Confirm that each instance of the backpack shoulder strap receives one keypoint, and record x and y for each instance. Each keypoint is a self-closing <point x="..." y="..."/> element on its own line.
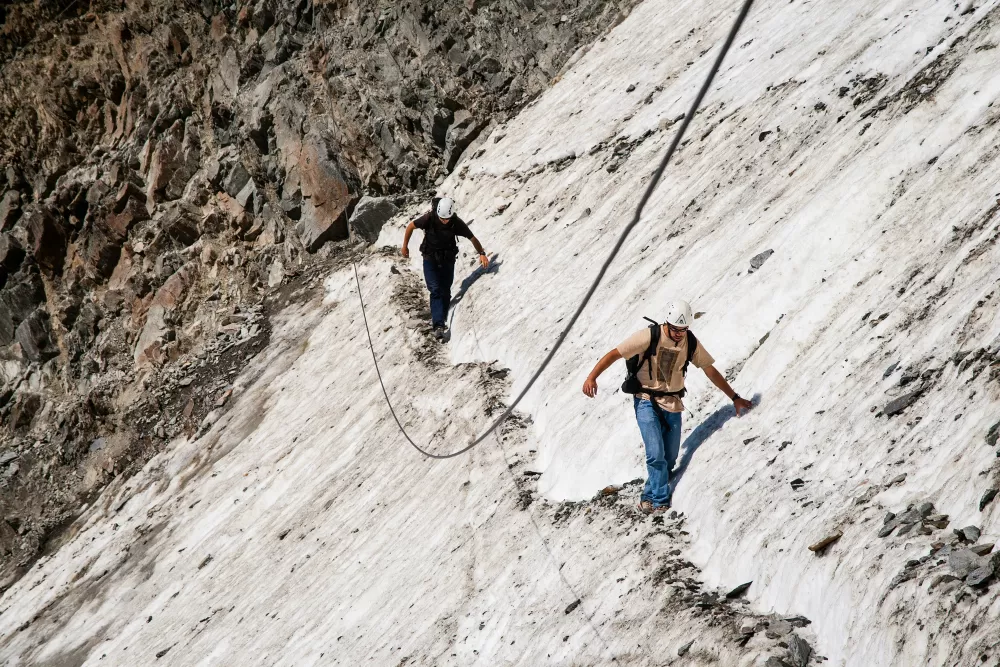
<point x="692" y="347"/>
<point x="654" y="342"/>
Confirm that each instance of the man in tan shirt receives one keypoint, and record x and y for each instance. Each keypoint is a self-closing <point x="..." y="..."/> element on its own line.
<point x="658" y="405"/>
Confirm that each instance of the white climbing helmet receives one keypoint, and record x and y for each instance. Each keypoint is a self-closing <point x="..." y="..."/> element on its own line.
<point x="679" y="313"/>
<point x="446" y="208"/>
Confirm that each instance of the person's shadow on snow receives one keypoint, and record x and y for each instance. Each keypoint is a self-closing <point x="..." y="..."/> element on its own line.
<point x="469" y="281"/>
<point x="701" y="434"/>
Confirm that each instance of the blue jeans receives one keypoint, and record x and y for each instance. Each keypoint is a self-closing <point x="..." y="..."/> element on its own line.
<point x="439" y="278"/>
<point x="661" y="432"/>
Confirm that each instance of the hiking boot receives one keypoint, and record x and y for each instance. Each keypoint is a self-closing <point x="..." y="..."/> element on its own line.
<point x="646" y="506"/>
<point x="660" y="510"/>
<point x="439" y="331"/>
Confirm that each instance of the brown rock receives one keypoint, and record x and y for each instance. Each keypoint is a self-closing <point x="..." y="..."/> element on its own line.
<point x="825" y="542"/>
<point x="165" y="160"/>
<point x="326" y="196"/>
<point x="132" y="212"/>
<point x="223" y="398"/>
<point x="982" y="549"/>
<point x="312" y="175"/>
<point x="150" y="347"/>
<point x="126" y="276"/>
<point x="219" y="28"/>
<point x="102" y="248"/>
<point x="232" y="210"/>
<point x="127" y="193"/>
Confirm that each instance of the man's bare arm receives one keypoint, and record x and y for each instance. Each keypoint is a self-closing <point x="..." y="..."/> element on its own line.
<point x="483" y="259"/>
<point x="406" y="239"/>
<point x="719" y="381"/>
<point x="590" y="386"/>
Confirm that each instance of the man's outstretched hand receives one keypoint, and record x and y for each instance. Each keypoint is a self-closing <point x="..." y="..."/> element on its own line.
<point x="484" y="261"/>
<point x="742" y="405"/>
<point x="590" y="387"/>
<point x="405" y="252"/>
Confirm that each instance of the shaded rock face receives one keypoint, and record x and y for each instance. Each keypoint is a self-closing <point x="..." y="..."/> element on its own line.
<point x="10" y="209"/>
<point x="370" y="215"/>
<point x="18" y="299"/>
<point x="47" y="240"/>
<point x="35" y="337"/>
<point x="171" y="163"/>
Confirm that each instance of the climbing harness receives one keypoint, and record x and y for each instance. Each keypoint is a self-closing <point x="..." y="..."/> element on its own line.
<point x="657" y="175"/>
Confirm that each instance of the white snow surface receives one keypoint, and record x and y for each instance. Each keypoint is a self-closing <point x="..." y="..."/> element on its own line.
<point x="881" y="206"/>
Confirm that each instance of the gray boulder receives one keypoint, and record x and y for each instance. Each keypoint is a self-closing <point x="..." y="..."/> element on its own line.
<point x="17" y="300"/>
<point x="757" y="261"/>
<point x="249" y="198"/>
<point x="895" y="406"/>
<point x="237" y="180"/>
<point x="964" y="561"/>
<point x="35" y="337"/>
<point x="799" y="650"/>
<point x="370" y="215"/>
<point x="461" y="134"/>
<point x="968" y="534"/>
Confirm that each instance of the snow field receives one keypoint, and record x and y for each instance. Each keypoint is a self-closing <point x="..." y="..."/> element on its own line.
<point x="891" y="213"/>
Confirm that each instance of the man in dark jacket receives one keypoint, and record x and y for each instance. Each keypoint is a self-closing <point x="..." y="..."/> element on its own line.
<point x="440" y="249"/>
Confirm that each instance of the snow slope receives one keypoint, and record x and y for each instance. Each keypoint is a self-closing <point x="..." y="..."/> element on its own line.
<point x="876" y="189"/>
<point x="858" y="141"/>
<point x="300" y="530"/>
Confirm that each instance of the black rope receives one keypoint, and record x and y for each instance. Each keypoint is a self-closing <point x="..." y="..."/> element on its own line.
<point x="657" y="175"/>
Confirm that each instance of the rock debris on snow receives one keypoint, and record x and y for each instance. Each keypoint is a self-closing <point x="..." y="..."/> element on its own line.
<point x="898" y="405"/>
<point x="758" y="260"/>
<point x="993" y="435"/>
<point x="982" y="549"/>
<point x="739" y="590"/>
<point x="987" y="498"/>
<point x="799" y="651"/>
<point x="821" y="546"/>
<point x="969" y="534"/>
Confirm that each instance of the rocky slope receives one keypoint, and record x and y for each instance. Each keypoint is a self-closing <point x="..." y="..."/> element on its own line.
<point x="166" y="167"/>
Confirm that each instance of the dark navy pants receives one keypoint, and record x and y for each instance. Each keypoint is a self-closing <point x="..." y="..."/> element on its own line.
<point x="439" y="277"/>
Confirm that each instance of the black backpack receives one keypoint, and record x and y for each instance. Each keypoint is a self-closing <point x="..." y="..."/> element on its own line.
<point x="633" y="364"/>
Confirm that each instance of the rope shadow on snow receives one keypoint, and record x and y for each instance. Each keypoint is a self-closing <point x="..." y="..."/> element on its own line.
<point x="469" y="281"/>
<point x="701" y="434"/>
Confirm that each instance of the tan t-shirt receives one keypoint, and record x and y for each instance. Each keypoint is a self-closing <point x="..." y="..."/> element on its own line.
<point x="668" y="365"/>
